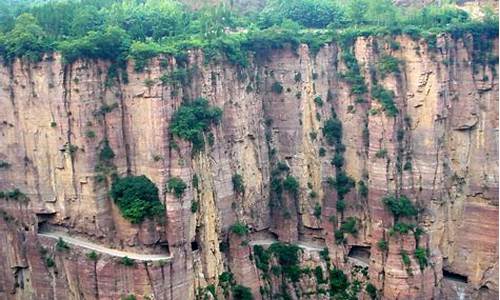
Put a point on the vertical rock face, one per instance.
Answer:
(440, 151)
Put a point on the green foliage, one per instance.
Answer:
(26, 40)
(353, 74)
(92, 255)
(322, 152)
(421, 256)
(400, 206)
(195, 181)
(291, 185)
(340, 205)
(319, 102)
(14, 194)
(317, 211)
(261, 258)
(277, 88)
(49, 262)
(177, 186)
(405, 258)
(106, 153)
(383, 245)
(242, 292)
(179, 76)
(318, 273)
(381, 153)
(387, 65)
(338, 282)
(116, 30)
(349, 226)
(238, 184)
(401, 228)
(194, 118)
(126, 261)
(371, 290)
(386, 98)
(142, 52)
(239, 229)
(61, 245)
(288, 259)
(90, 134)
(226, 277)
(362, 189)
(4, 164)
(111, 44)
(308, 13)
(137, 198)
(129, 297)
(325, 254)
(194, 206)
(338, 160)
(332, 130)
(343, 184)
(339, 236)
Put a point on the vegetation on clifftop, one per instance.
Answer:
(116, 30)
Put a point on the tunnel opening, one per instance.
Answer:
(360, 253)
(164, 247)
(448, 275)
(195, 246)
(43, 221)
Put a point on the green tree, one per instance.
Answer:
(27, 39)
(137, 198)
(192, 119)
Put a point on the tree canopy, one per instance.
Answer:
(108, 29)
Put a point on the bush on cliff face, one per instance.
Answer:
(242, 292)
(177, 186)
(238, 184)
(240, 229)
(291, 184)
(332, 130)
(400, 206)
(193, 119)
(137, 198)
(421, 256)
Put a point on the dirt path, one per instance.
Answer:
(99, 248)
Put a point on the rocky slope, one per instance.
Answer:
(440, 150)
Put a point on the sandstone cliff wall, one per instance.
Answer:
(446, 132)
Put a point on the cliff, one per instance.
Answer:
(440, 150)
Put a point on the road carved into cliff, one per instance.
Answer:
(99, 248)
(312, 248)
(302, 245)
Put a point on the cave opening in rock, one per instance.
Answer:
(195, 246)
(43, 220)
(361, 253)
(164, 247)
(454, 276)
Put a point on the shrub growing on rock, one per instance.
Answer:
(194, 118)
(400, 206)
(242, 292)
(137, 198)
(127, 261)
(238, 184)
(177, 186)
(239, 229)
(421, 256)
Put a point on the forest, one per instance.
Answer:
(141, 29)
